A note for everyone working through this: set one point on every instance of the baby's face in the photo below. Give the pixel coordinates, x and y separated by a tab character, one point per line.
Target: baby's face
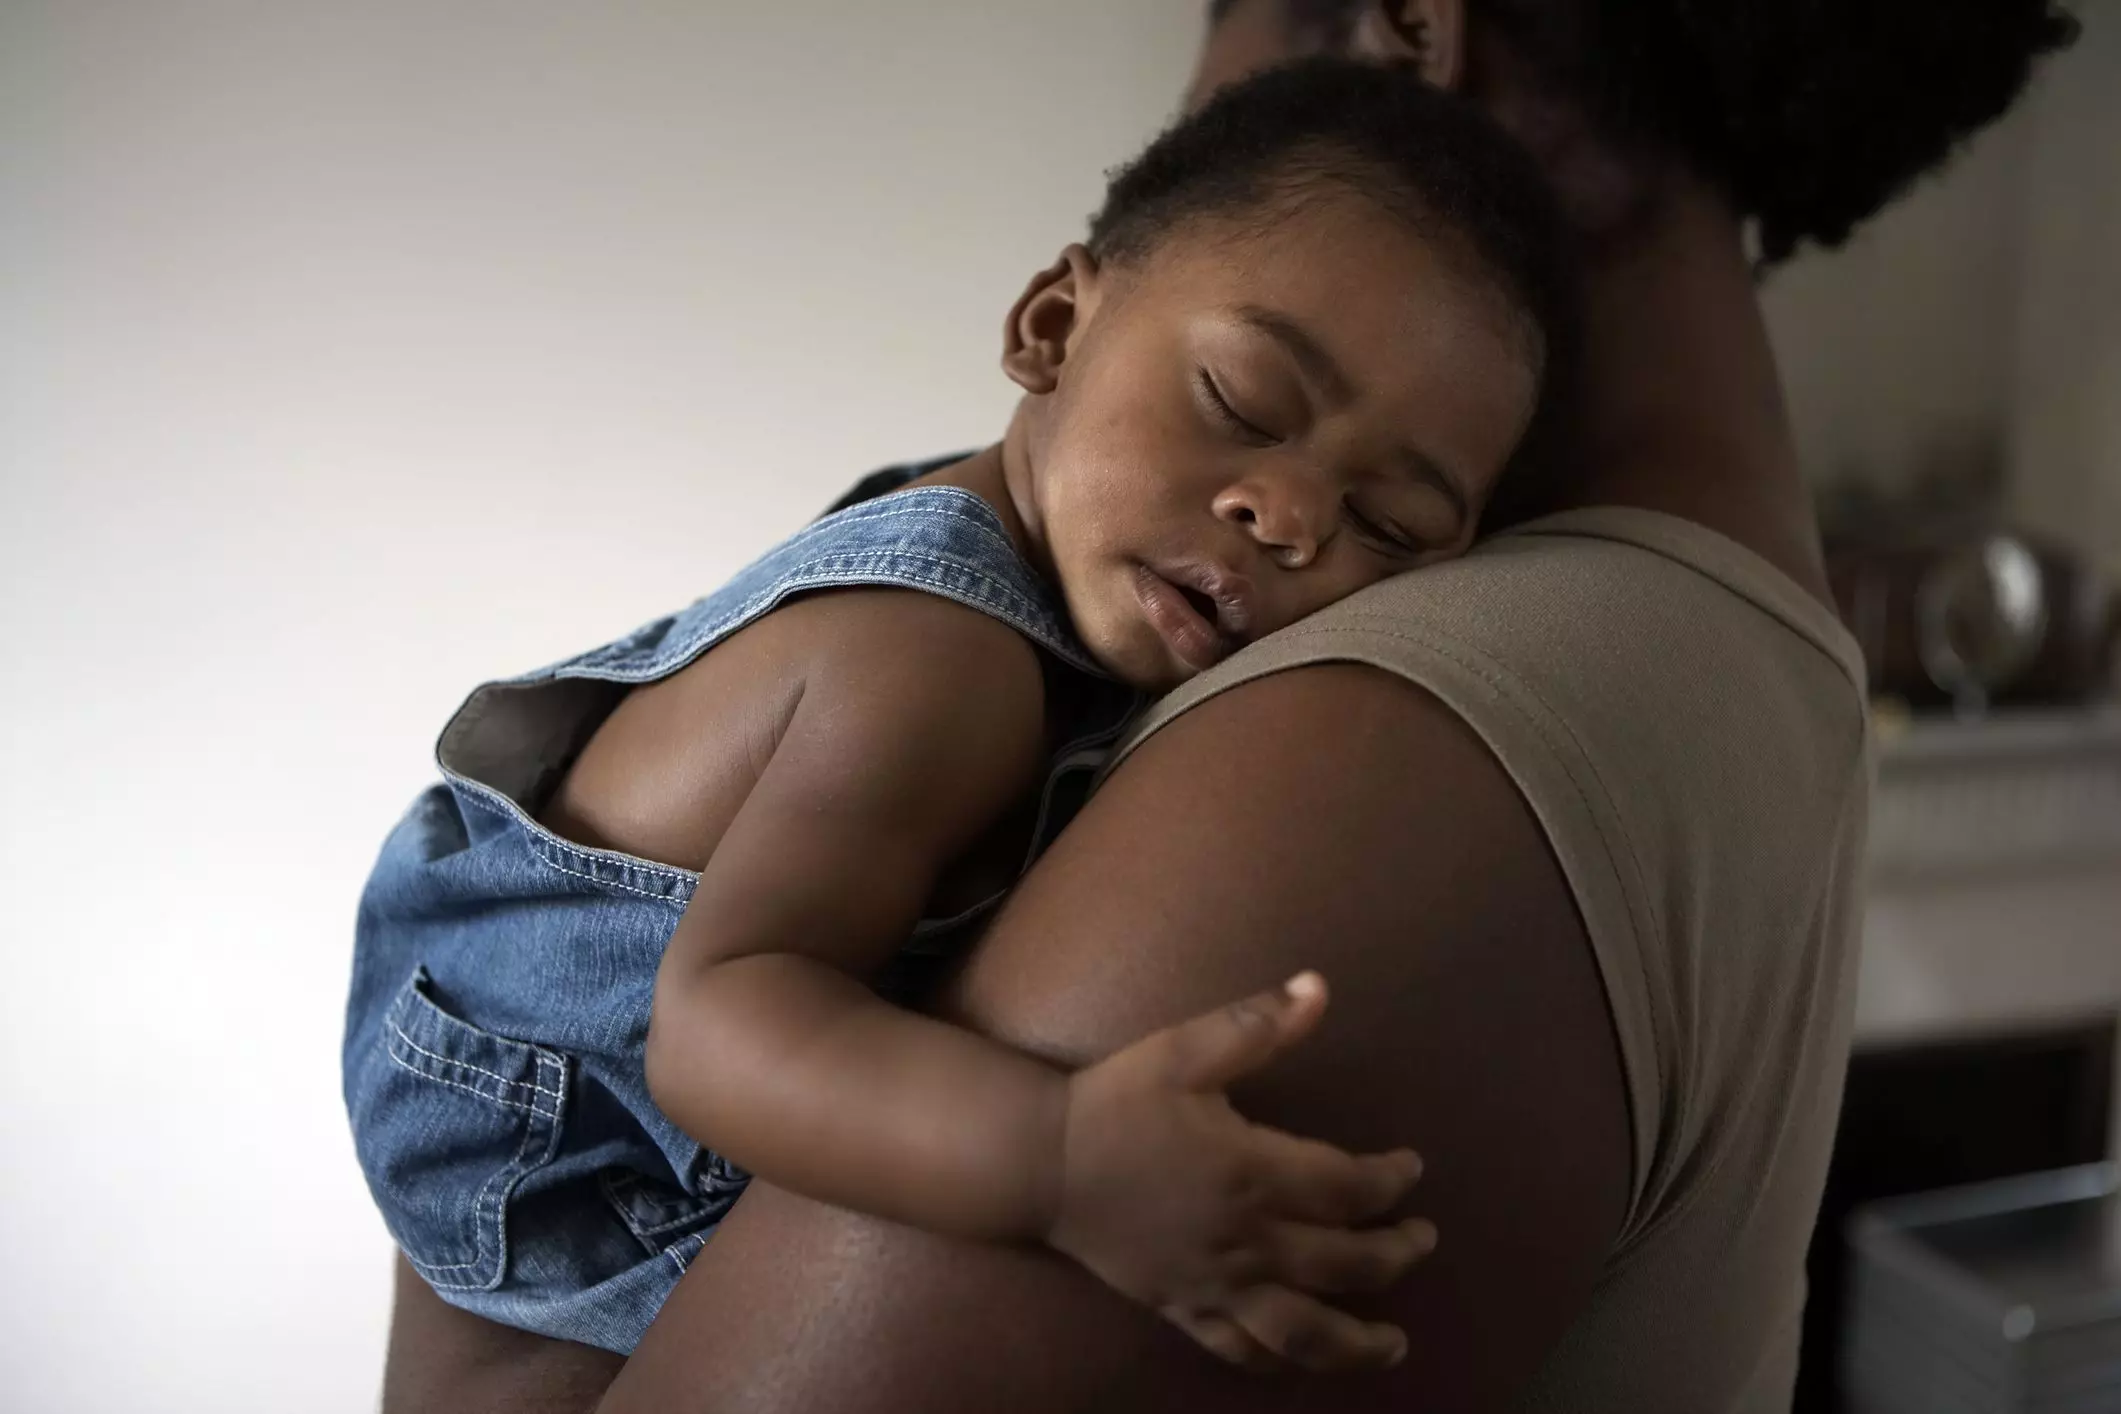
1248	426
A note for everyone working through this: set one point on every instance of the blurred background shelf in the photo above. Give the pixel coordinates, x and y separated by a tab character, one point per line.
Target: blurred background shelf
2008	794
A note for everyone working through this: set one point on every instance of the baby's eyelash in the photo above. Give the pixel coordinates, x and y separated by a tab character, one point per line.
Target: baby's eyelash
1391	537
1220	407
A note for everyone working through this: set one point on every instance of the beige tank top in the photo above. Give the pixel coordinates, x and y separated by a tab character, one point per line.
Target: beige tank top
1689	726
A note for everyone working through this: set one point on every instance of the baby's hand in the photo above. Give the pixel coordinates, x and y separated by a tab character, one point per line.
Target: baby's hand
1173	1198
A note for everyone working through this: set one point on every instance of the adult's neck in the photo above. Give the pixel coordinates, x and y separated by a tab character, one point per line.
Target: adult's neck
1681	409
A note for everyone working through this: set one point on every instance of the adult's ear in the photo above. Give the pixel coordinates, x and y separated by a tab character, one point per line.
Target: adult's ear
1047	318
1428	35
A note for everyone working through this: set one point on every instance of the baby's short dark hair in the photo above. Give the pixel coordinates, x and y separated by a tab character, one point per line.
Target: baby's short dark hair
1424	155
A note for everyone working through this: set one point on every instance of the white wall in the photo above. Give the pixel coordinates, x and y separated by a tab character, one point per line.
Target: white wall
2065	434
350	352
1896	349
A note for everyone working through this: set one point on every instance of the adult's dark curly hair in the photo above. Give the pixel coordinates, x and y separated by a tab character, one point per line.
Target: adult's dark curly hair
1811	115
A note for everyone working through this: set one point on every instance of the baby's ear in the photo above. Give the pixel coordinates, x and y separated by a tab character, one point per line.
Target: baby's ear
1047	318
1429	35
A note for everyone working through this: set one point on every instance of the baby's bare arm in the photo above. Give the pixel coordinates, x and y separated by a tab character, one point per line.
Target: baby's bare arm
918	727
920	724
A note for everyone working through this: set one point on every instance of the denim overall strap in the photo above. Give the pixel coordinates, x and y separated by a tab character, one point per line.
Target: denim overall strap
938	539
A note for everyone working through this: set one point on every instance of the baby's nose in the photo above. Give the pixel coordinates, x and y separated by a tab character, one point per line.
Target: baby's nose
1291	522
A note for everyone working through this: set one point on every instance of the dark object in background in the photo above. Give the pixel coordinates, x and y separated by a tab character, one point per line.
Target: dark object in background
1937	1114
1974	617
1996	1298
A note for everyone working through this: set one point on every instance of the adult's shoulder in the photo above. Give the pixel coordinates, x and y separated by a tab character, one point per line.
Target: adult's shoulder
1624	668
1578	625
1391	855
1685	724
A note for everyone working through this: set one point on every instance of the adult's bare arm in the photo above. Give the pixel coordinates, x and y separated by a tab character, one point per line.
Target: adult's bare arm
1329	817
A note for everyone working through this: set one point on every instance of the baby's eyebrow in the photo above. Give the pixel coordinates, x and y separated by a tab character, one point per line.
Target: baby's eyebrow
1427	469
1317	365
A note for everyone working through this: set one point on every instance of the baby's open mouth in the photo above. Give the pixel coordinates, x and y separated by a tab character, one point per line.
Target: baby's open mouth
1183	616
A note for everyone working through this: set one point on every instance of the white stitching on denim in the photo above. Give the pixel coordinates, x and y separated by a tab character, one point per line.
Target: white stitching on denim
653	1229
980	580
481	795
981	586
478	1211
392	1023
964	581
511	1171
544	844
400	1061
522	1171
822	573
682	1262
975	592
609	883
967	506
615	1190
790	571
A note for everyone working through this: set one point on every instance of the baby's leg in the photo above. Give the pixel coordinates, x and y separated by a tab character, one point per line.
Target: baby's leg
446	1361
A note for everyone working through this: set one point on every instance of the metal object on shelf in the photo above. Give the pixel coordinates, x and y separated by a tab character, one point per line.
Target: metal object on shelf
1973	614
1981	615
1999	1298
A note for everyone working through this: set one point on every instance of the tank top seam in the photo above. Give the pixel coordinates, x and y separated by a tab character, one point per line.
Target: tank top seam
1773	585
1820	897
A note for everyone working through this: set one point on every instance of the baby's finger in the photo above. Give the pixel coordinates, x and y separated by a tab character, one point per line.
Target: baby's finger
1307	1181
1212	1051
1335	1260
1224	1338
1312	1335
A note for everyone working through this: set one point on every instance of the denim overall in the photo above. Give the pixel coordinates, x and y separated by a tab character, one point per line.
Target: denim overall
502	975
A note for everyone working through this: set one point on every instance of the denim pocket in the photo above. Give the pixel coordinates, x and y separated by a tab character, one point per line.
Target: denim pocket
658	1214
448	1120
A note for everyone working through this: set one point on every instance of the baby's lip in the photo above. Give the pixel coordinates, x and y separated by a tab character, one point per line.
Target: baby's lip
1230	592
